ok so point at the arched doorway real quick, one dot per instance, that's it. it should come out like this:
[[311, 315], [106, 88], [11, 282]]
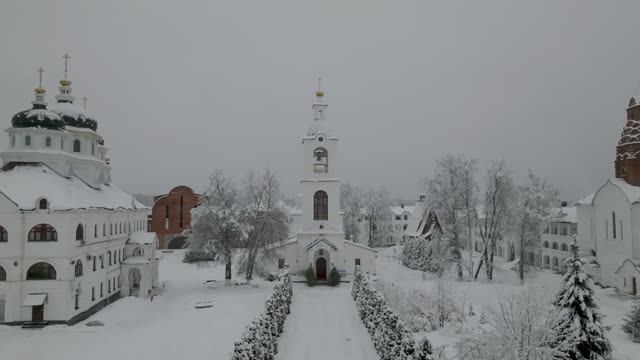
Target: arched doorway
[[134, 282], [321, 268], [177, 243]]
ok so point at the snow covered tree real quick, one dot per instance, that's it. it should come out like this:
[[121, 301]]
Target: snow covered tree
[[581, 321], [523, 327], [334, 277], [264, 219], [216, 226], [450, 191], [632, 323], [432, 255], [492, 218], [377, 208], [351, 206], [533, 206]]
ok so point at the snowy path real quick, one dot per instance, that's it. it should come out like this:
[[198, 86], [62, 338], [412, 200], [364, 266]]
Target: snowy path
[[324, 324]]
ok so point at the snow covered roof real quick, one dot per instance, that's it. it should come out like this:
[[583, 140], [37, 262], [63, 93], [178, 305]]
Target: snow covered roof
[[631, 192], [422, 222], [566, 214], [26, 184], [399, 210], [74, 116], [142, 237]]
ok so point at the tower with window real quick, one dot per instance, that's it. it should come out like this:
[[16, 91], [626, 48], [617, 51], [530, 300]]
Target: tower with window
[[320, 183]]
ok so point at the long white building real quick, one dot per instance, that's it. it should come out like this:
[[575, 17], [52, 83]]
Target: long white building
[[66, 231]]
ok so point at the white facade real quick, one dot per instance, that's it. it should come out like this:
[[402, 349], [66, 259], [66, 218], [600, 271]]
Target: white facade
[[556, 238], [320, 241], [609, 224], [64, 226]]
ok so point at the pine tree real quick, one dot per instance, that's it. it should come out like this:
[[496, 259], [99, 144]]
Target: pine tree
[[310, 276], [580, 317], [334, 277], [632, 323]]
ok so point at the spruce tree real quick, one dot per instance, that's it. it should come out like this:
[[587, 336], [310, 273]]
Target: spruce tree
[[632, 323], [581, 319]]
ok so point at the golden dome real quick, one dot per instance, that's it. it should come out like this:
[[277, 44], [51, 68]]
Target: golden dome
[[40, 90], [319, 93], [65, 82]]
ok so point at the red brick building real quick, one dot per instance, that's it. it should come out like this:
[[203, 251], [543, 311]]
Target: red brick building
[[171, 216]]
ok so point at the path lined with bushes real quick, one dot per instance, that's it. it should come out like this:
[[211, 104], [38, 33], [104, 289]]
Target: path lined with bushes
[[324, 324]]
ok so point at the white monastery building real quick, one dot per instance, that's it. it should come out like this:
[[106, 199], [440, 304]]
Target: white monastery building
[[320, 239], [609, 219], [71, 241]]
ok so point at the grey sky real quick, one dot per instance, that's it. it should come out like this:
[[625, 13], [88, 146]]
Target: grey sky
[[181, 88]]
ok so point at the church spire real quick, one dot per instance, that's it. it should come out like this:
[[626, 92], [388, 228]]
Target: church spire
[[39, 92], [65, 84]]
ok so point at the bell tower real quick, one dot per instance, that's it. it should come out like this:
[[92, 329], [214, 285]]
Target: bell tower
[[320, 185], [627, 163]]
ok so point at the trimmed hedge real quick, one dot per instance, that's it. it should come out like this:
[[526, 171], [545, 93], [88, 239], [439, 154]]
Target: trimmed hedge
[[260, 339], [390, 337]]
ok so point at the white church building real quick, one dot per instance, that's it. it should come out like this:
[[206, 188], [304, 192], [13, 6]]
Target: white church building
[[609, 219], [71, 241], [319, 241]]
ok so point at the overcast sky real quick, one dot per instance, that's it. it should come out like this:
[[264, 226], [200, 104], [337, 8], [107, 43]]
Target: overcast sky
[[180, 88]]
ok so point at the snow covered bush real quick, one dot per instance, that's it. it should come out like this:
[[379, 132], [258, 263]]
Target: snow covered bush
[[632, 323], [391, 339], [422, 310], [524, 327], [310, 276], [260, 339], [427, 255], [581, 318]]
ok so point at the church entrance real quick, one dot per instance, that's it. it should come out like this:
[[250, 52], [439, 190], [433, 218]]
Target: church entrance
[[321, 268]]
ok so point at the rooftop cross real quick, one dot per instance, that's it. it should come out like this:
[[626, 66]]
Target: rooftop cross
[[66, 58]]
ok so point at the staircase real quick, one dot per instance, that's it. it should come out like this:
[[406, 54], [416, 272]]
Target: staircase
[[34, 324]]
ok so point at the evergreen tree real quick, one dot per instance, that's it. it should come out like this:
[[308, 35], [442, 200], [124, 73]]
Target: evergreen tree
[[632, 323], [334, 277], [310, 276], [581, 320]]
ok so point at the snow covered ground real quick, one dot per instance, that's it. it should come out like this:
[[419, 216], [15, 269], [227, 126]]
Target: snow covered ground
[[324, 324], [483, 296], [168, 328]]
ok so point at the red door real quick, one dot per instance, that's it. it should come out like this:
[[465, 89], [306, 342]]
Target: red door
[[321, 269], [37, 313]]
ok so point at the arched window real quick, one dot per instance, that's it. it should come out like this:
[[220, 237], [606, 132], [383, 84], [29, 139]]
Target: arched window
[[27, 140], [93, 148], [564, 247], [320, 161], [4, 235], [76, 145], [406, 217], [47, 142], [404, 227], [43, 204], [320, 206], [41, 271], [554, 246], [95, 230], [43, 232], [78, 268], [3, 274], [13, 140], [79, 233], [109, 257], [546, 244], [61, 144]]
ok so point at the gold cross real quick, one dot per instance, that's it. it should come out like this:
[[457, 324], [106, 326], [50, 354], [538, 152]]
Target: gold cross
[[84, 102], [40, 71], [66, 58]]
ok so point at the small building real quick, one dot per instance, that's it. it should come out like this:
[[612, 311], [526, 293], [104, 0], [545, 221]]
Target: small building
[[140, 267], [423, 222], [171, 216]]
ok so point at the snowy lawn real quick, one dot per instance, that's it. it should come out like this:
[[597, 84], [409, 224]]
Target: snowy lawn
[[168, 328], [324, 324], [483, 295]]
